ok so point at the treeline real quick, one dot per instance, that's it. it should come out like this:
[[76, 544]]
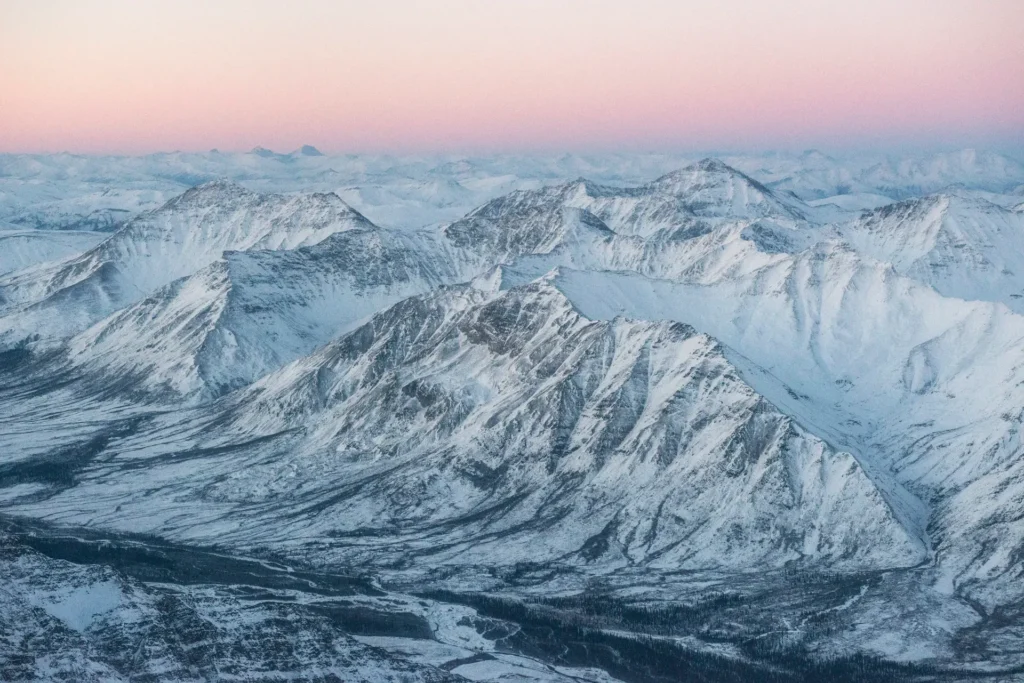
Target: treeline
[[564, 638]]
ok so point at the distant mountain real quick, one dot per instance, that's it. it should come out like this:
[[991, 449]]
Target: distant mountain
[[930, 173], [24, 248], [712, 188], [264, 152], [963, 246], [53, 301], [308, 151], [676, 206], [698, 223], [814, 175]]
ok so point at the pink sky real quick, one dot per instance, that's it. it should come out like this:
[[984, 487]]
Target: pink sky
[[141, 76]]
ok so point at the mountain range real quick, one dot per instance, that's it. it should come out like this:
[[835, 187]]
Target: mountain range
[[708, 417]]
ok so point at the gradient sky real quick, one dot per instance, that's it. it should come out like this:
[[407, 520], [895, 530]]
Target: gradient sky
[[515, 75]]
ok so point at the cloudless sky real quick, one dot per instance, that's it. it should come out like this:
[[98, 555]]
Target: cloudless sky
[[514, 75]]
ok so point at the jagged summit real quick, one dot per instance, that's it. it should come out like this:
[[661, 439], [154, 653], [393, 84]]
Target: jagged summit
[[526, 223], [212, 191], [713, 164], [223, 193], [218, 184], [307, 151]]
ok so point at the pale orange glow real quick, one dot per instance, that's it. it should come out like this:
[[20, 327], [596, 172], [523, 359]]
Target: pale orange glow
[[104, 75]]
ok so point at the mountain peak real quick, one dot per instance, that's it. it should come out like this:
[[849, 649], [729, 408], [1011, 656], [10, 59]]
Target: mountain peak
[[815, 155], [713, 164], [582, 185], [308, 151], [706, 173], [262, 152], [703, 172]]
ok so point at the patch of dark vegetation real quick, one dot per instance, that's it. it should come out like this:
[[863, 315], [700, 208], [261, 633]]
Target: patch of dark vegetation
[[978, 642], [735, 615], [455, 663], [12, 359], [155, 561], [561, 637], [363, 621], [59, 468]]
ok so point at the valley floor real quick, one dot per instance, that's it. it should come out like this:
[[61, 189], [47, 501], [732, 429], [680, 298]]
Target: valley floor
[[100, 606]]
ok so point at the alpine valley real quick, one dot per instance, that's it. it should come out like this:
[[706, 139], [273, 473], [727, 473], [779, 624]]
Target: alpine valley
[[293, 416]]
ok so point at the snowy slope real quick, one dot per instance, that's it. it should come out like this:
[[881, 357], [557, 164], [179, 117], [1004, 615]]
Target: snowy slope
[[23, 248], [103, 210]]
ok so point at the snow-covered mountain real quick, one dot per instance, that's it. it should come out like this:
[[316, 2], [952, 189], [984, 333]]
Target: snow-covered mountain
[[712, 188], [50, 302], [737, 416], [815, 175], [513, 429], [965, 247], [685, 201], [873, 362], [928, 173], [233, 321], [64, 190]]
